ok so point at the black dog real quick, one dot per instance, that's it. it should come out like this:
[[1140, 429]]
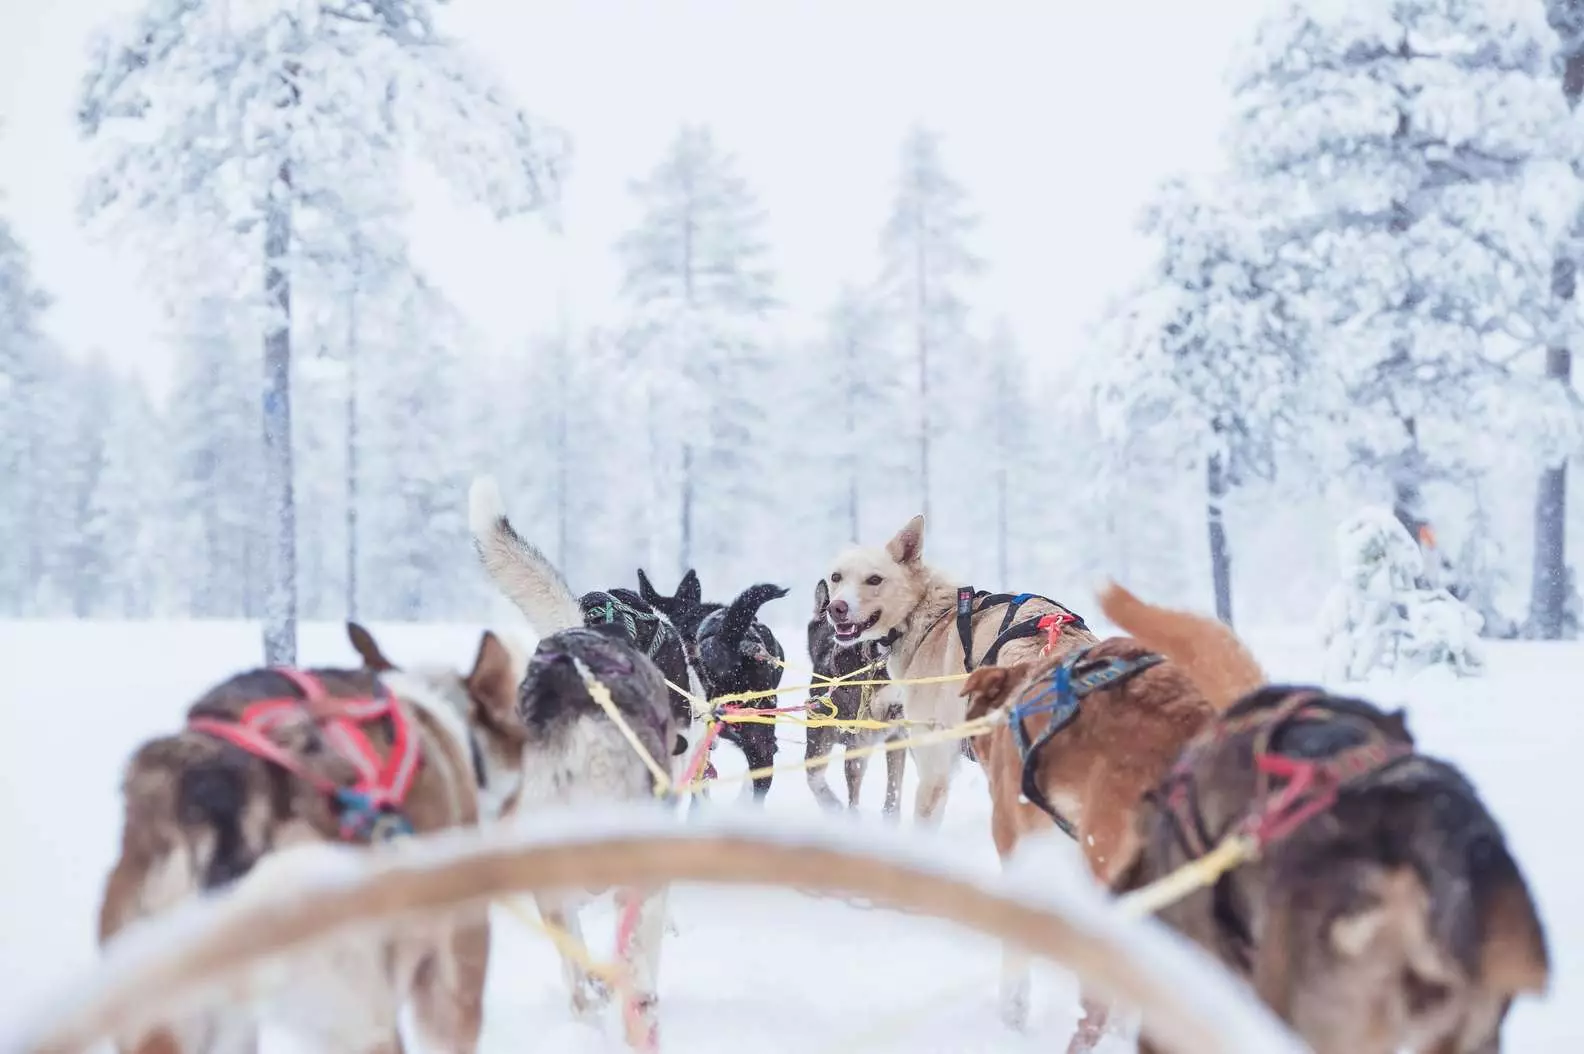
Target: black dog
[[832, 662], [733, 652]]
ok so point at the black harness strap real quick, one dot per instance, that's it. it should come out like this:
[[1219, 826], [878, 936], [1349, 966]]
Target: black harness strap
[[1071, 680], [1011, 629]]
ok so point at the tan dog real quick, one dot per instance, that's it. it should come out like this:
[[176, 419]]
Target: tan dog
[[1385, 912], [258, 771], [1091, 754], [890, 595]]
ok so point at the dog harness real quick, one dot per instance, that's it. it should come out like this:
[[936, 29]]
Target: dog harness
[[1069, 682], [1309, 786], [1011, 627], [370, 809]]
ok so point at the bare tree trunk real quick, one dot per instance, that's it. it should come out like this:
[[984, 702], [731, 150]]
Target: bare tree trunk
[[1548, 589], [352, 438], [922, 336], [563, 355], [687, 507], [1220, 553], [280, 511], [1549, 585]]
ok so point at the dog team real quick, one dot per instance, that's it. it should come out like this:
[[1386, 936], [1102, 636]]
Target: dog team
[[1382, 912]]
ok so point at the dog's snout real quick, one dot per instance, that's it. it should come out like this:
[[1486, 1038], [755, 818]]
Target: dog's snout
[[838, 610]]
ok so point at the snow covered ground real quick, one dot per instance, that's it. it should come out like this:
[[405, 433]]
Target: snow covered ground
[[768, 971]]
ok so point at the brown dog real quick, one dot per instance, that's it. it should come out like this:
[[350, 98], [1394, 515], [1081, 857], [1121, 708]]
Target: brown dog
[[266, 764], [1385, 911], [1090, 752]]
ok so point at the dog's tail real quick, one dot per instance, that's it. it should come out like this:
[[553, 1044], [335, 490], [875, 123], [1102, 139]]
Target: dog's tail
[[1207, 651], [738, 620], [519, 570]]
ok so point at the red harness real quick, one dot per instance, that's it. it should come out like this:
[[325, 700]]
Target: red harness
[[371, 807], [1310, 787]]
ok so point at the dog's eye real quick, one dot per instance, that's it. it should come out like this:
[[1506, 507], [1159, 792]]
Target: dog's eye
[[873, 580], [835, 577]]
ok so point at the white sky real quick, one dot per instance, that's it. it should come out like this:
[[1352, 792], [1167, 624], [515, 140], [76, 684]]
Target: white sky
[[1057, 117]]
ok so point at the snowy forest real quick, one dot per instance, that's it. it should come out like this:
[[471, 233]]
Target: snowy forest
[[1372, 301]]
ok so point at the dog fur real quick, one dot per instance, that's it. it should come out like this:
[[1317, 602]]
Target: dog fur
[[574, 754], [1397, 920], [852, 702], [733, 652], [1096, 772], [529, 580], [200, 814], [890, 594]]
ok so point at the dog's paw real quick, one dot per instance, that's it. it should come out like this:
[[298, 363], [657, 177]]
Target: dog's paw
[[589, 997]]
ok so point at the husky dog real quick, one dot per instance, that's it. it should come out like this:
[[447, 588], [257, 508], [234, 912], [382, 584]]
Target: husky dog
[[575, 754], [1394, 919], [205, 807], [529, 580], [851, 702], [891, 596], [734, 653]]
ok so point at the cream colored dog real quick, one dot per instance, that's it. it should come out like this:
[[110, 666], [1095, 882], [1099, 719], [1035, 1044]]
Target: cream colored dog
[[890, 595]]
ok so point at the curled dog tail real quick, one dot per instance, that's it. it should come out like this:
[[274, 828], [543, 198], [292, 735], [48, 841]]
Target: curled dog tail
[[1207, 651], [518, 569]]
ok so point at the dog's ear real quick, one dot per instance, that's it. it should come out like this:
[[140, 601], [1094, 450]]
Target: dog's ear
[[363, 643], [492, 683], [988, 687], [689, 589], [908, 545], [1397, 722], [821, 599], [646, 589]]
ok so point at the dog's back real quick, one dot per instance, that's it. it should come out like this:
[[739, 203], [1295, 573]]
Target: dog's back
[[1395, 918]]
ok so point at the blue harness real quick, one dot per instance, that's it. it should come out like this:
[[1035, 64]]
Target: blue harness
[[1068, 683]]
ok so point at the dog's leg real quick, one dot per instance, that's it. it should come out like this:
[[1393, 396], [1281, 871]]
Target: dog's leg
[[640, 953], [854, 769], [587, 993], [935, 764], [206, 1034], [448, 991], [896, 766], [1015, 978], [819, 744]]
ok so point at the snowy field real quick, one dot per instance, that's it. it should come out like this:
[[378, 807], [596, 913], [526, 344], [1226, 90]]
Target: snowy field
[[748, 970]]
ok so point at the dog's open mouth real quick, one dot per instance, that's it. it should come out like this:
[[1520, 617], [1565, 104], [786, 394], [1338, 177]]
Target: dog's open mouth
[[851, 631]]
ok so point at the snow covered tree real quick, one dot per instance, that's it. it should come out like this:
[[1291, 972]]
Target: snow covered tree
[[1010, 427], [697, 280], [235, 119], [1549, 594], [212, 427], [1380, 617], [860, 397], [926, 260], [417, 538], [1201, 358], [31, 395], [1414, 162], [122, 532]]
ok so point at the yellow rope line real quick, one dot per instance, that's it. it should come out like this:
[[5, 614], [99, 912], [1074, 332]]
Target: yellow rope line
[[963, 731], [1236, 850], [601, 695]]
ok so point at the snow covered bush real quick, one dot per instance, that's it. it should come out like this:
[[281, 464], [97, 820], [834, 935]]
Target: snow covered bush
[[1379, 616]]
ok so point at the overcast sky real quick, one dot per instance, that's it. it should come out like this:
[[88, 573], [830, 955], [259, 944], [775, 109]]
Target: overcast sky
[[1057, 117]]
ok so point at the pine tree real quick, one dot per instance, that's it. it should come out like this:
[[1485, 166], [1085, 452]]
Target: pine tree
[[1413, 159], [30, 387], [927, 259], [1202, 357], [222, 116], [211, 421], [1549, 593], [696, 278], [852, 398]]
